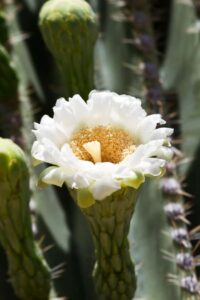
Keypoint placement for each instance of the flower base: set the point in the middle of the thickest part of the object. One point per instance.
(109, 222)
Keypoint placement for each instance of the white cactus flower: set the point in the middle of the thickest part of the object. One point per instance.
(100, 146)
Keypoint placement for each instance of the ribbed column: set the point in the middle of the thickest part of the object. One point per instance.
(109, 222)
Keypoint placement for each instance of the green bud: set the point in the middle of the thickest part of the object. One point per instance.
(69, 29)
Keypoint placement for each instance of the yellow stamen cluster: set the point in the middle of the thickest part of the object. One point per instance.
(115, 144)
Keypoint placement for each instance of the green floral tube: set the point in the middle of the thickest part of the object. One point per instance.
(109, 222)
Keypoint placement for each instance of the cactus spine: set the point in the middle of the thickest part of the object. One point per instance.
(185, 276)
(69, 29)
(28, 271)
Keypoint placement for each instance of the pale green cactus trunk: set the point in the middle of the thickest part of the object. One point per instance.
(69, 29)
(28, 271)
(109, 221)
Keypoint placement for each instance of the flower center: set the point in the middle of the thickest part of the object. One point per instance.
(102, 144)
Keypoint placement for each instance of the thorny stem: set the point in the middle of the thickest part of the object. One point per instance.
(143, 34)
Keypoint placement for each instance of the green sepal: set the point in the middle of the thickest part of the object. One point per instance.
(43, 184)
(135, 181)
(84, 198)
(35, 162)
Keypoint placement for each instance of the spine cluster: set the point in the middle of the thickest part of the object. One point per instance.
(176, 212)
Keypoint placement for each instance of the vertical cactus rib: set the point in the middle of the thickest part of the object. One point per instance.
(28, 271)
(138, 13)
(10, 120)
(69, 29)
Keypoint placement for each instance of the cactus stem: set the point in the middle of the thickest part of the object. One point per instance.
(109, 222)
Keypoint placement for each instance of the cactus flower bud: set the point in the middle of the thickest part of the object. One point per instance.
(69, 29)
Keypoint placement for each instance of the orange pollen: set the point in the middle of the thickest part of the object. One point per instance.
(102, 143)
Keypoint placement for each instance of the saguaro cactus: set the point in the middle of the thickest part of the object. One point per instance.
(27, 269)
(69, 29)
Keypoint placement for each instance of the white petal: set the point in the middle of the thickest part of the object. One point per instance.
(109, 108)
(64, 117)
(67, 154)
(103, 188)
(146, 127)
(164, 152)
(142, 152)
(47, 152)
(152, 166)
(161, 133)
(78, 181)
(100, 104)
(49, 129)
(79, 109)
(103, 170)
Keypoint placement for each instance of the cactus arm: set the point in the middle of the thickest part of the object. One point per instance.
(185, 74)
(115, 66)
(28, 271)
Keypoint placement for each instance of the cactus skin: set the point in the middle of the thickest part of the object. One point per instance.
(69, 30)
(9, 99)
(27, 269)
(3, 28)
(8, 80)
(109, 221)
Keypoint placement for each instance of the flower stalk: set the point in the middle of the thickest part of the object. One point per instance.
(109, 222)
